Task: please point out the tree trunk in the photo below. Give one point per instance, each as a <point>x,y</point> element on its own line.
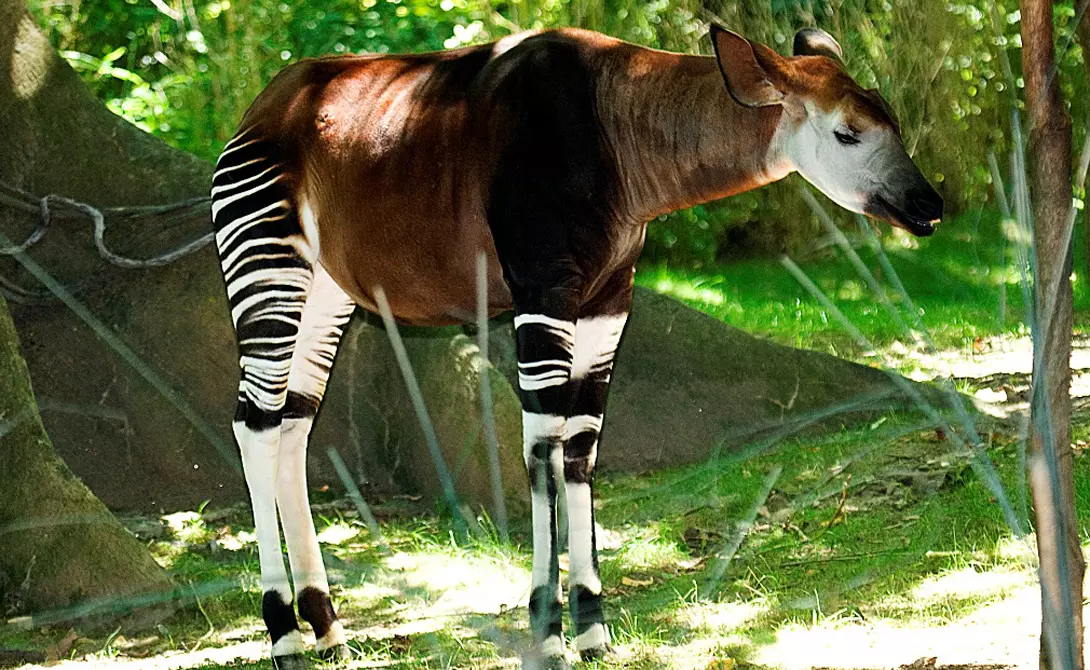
<point>1082,34</point>
<point>1053,488</point>
<point>59,546</point>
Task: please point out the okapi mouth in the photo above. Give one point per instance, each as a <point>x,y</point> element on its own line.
<point>880,208</point>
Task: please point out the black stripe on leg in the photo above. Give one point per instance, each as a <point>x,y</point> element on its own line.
<point>299,406</point>
<point>279,616</point>
<point>316,609</point>
<point>578,467</point>
<point>545,613</point>
<point>255,418</point>
<point>591,399</point>
<point>586,608</point>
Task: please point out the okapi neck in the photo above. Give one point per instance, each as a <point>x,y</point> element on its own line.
<point>678,137</point>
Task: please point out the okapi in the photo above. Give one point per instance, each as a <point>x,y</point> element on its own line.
<point>550,151</point>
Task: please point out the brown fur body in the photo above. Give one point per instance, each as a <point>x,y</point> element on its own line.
<point>397,156</point>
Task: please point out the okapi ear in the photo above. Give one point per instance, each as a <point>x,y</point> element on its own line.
<point>750,70</point>
<point>817,42</point>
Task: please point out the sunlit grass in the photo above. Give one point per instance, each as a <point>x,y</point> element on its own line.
<point>872,535</point>
<point>954,278</point>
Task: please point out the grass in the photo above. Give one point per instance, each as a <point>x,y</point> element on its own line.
<point>881,523</point>
<point>879,528</point>
<point>955,279</point>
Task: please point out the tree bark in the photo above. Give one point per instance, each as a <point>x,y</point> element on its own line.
<point>59,546</point>
<point>1061,559</point>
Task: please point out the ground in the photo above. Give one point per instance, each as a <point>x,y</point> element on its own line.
<point>882,545</point>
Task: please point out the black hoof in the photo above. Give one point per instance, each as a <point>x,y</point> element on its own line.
<point>594,653</point>
<point>290,662</point>
<point>339,652</point>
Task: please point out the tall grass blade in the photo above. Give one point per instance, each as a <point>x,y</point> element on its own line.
<point>421,409</point>
<point>488,418</point>
<point>726,553</point>
<point>920,333</point>
<point>981,463</point>
<point>98,607</point>
<point>356,497</point>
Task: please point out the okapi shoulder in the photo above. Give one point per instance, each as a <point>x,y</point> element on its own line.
<point>545,60</point>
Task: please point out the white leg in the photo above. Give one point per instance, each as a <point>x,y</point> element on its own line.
<point>596,340</point>
<point>326,312</point>
<point>260,455</point>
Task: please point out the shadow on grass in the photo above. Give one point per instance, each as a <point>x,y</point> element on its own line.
<point>858,529</point>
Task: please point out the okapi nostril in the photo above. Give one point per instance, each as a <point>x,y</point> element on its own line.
<point>927,204</point>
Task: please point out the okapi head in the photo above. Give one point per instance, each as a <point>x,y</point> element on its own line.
<point>843,139</point>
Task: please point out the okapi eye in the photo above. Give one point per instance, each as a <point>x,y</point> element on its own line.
<point>845,138</point>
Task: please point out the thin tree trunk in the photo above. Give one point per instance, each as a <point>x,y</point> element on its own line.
<point>1082,34</point>
<point>1061,560</point>
<point>59,546</point>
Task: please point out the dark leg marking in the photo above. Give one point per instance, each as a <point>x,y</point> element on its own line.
<point>279,616</point>
<point>316,609</point>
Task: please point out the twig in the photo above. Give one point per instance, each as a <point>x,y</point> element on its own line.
<point>835,559</point>
<point>488,418</point>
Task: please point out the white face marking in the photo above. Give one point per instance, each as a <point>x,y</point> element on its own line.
<point>848,173</point>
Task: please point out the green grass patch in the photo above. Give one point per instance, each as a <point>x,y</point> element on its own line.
<point>956,279</point>
<point>884,522</point>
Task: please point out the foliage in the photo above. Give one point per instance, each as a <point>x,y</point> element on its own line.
<point>187,69</point>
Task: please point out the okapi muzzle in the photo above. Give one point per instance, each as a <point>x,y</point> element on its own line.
<point>907,201</point>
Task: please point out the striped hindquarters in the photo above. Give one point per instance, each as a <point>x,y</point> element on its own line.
<point>266,262</point>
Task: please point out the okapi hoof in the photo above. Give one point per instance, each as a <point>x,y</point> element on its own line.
<point>290,662</point>
<point>339,652</point>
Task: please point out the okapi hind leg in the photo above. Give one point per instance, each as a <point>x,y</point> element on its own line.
<point>325,314</point>
<point>264,257</point>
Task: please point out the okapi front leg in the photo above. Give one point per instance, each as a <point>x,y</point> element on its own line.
<point>545,340</point>
<point>596,340</point>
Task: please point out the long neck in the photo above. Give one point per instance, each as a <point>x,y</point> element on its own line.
<point>678,137</point>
